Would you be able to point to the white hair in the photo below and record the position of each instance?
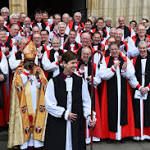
(4, 9)
(108, 19)
(65, 14)
(119, 30)
(86, 48)
(21, 39)
(61, 23)
(85, 33)
(15, 24)
(142, 43)
(13, 16)
(55, 38)
(27, 18)
(77, 13)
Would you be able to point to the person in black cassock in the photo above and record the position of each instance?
(141, 104)
(68, 104)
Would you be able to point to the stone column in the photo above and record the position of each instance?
(93, 7)
(131, 9)
(17, 6)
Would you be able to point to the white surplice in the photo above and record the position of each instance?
(106, 73)
(51, 66)
(57, 111)
(34, 84)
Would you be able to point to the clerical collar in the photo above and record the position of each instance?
(95, 44)
(56, 50)
(72, 42)
(108, 27)
(144, 58)
(85, 64)
(116, 58)
(82, 62)
(142, 38)
(1, 28)
(76, 23)
(65, 76)
(1, 45)
(122, 27)
(61, 35)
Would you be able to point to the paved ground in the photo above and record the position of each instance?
(103, 145)
(121, 146)
(3, 140)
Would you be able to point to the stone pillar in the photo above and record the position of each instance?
(131, 9)
(17, 6)
(93, 8)
(145, 8)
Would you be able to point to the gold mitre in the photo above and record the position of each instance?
(29, 51)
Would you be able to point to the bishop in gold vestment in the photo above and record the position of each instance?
(27, 109)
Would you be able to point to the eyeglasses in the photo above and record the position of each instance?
(55, 43)
(141, 30)
(78, 16)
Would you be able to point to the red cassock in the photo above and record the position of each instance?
(4, 103)
(127, 128)
(4, 109)
(96, 129)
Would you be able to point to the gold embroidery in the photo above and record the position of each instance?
(32, 123)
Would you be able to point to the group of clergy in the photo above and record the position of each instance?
(113, 60)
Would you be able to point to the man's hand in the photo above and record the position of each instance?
(124, 66)
(116, 64)
(89, 79)
(37, 74)
(82, 67)
(92, 123)
(146, 90)
(143, 90)
(6, 51)
(72, 117)
(59, 58)
(126, 40)
(1, 77)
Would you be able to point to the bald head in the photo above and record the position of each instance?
(36, 30)
(86, 54)
(14, 30)
(112, 32)
(121, 21)
(65, 18)
(85, 39)
(111, 40)
(37, 39)
(141, 30)
(27, 21)
(77, 16)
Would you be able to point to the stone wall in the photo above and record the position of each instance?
(131, 9)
